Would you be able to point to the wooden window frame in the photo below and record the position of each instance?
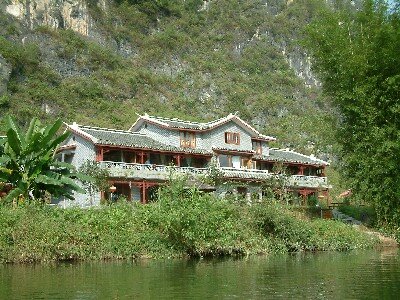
(188, 139)
(232, 138)
(257, 147)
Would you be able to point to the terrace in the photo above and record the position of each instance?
(154, 172)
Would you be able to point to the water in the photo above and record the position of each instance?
(352, 275)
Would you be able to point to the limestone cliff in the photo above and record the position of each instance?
(101, 61)
(67, 14)
(74, 15)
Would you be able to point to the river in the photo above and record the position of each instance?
(346, 275)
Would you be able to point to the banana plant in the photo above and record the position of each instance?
(27, 162)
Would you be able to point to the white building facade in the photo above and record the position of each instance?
(143, 157)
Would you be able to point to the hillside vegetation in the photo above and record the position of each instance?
(191, 59)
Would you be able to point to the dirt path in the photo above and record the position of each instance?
(385, 241)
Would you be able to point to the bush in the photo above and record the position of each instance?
(298, 235)
(203, 225)
(365, 214)
(183, 222)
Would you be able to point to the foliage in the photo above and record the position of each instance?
(41, 233)
(365, 214)
(356, 55)
(214, 174)
(2, 144)
(299, 234)
(98, 178)
(183, 222)
(28, 163)
(186, 61)
(276, 186)
(201, 225)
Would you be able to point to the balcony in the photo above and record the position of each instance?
(148, 171)
(292, 181)
(161, 173)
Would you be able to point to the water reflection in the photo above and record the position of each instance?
(353, 275)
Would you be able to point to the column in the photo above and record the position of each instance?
(178, 160)
(141, 154)
(323, 173)
(100, 154)
(301, 170)
(144, 189)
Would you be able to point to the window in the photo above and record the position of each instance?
(232, 138)
(225, 161)
(188, 139)
(257, 147)
(232, 161)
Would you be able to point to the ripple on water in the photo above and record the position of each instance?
(349, 275)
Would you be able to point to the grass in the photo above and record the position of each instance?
(181, 223)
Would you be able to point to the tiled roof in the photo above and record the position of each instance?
(177, 123)
(232, 150)
(283, 155)
(188, 125)
(130, 139)
(232, 173)
(181, 124)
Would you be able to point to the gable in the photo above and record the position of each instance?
(181, 125)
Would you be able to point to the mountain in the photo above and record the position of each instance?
(100, 62)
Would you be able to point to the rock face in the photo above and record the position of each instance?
(300, 63)
(74, 15)
(5, 71)
(68, 14)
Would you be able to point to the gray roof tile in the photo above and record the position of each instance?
(282, 155)
(177, 123)
(129, 139)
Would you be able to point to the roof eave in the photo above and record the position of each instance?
(78, 131)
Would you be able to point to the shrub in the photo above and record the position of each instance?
(201, 224)
(298, 234)
(183, 222)
(365, 214)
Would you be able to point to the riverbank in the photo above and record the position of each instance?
(182, 223)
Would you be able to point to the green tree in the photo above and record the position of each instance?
(98, 178)
(277, 185)
(2, 143)
(28, 163)
(356, 53)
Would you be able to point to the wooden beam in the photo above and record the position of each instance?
(301, 170)
(141, 154)
(144, 189)
(178, 160)
(154, 150)
(100, 153)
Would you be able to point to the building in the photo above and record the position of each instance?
(142, 158)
